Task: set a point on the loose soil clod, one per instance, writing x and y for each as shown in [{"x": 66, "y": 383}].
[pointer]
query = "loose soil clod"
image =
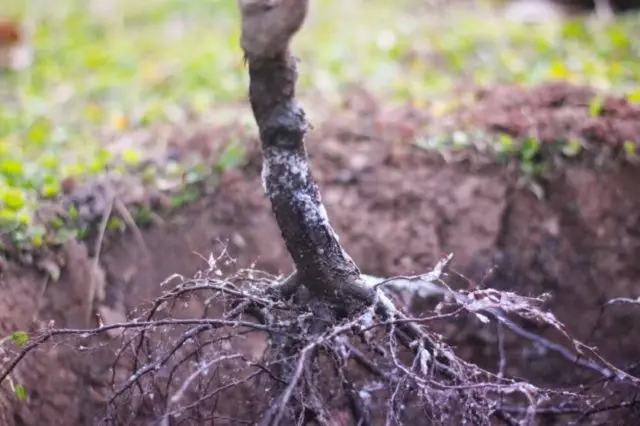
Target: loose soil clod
[{"x": 558, "y": 112}]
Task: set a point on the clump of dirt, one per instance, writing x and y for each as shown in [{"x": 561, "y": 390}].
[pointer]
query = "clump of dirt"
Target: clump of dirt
[
  {"x": 398, "y": 210},
  {"x": 557, "y": 112}
]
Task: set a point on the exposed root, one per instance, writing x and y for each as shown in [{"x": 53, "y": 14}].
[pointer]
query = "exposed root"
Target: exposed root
[{"x": 181, "y": 356}]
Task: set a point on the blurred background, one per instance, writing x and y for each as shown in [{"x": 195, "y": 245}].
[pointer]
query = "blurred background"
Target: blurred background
[{"x": 72, "y": 67}]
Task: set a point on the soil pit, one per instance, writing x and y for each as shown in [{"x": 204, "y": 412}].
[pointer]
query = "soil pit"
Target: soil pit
[{"x": 398, "y": 210}]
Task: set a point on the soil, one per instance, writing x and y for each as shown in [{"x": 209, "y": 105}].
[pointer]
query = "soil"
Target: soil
[
  {"x": 398, "y": 209},
  {"x": 559, "y": 112}
]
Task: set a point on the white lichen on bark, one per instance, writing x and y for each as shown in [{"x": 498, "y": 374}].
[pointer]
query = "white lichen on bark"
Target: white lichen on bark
[{"x": 283, "y": 171}]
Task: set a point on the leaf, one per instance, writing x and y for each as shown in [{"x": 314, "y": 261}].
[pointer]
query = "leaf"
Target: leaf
[
  {"x": 187, "y": 195},
  {"x": 95, "y": 165},
  {"x": 50, "y": 189},
  {"x": 630, "y": 150},
  {"x": 13, "y": 198},
  {"x": 633, "y": 96},
  {"x": 559, "y": 70},
  {"x": 619, "y": 37},
  {"x": 7, "y": 217},
  {"x": 505, "y": 144},
  {"x": 19, "y": 337},
  {"x": 595, "y": 106},
  {"x": 231, "y": 157},
  {"x": 37, "y": 240},
  {"x": 11, "y": 167},
  {"x": 63, "y": 235},
  {"x": 20, "y": 391},
  {"x": 529, "y": 148},
  {"x": 114, "y": 223},
  {"x": 82, "y": 233},
  {"x": 141, "y": 215},
  {"x": 72, "y": 211},
  {"x": 131, "y": 156},
  {"x": 38, "y": 131},
  {"x": 571, "y": 148},
  {"x": 23, "y": 217},
  {"x": 56, "y": 222}
]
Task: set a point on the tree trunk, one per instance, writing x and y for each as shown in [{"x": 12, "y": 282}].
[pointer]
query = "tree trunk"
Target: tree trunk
[{"x": 321, "y": 263}]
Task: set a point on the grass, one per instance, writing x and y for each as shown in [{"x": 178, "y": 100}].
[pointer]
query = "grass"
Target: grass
[{"x": 131, "y": 64}]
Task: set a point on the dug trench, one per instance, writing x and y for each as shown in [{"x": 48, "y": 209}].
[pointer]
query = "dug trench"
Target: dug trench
[{"x": 398, "y": 210}]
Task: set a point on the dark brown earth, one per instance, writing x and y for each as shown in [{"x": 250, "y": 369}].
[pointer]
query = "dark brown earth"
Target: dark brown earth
[
  {"x": 398, "y": 210},
  {"x": 559, "y": 112}
]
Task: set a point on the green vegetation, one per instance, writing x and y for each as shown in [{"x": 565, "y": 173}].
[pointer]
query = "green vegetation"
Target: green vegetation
[
  {"x": 18, "y": 338},
  {"x": 115, "y": 66}
]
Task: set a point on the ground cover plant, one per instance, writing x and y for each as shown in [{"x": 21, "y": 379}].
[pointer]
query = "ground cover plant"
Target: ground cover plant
[{"x": 127, "y": 66}]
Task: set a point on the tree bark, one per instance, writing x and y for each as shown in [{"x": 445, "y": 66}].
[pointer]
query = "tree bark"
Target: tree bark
[
  {"x": 323, "y": 268},
  {"x": 321, "y": 263}
]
